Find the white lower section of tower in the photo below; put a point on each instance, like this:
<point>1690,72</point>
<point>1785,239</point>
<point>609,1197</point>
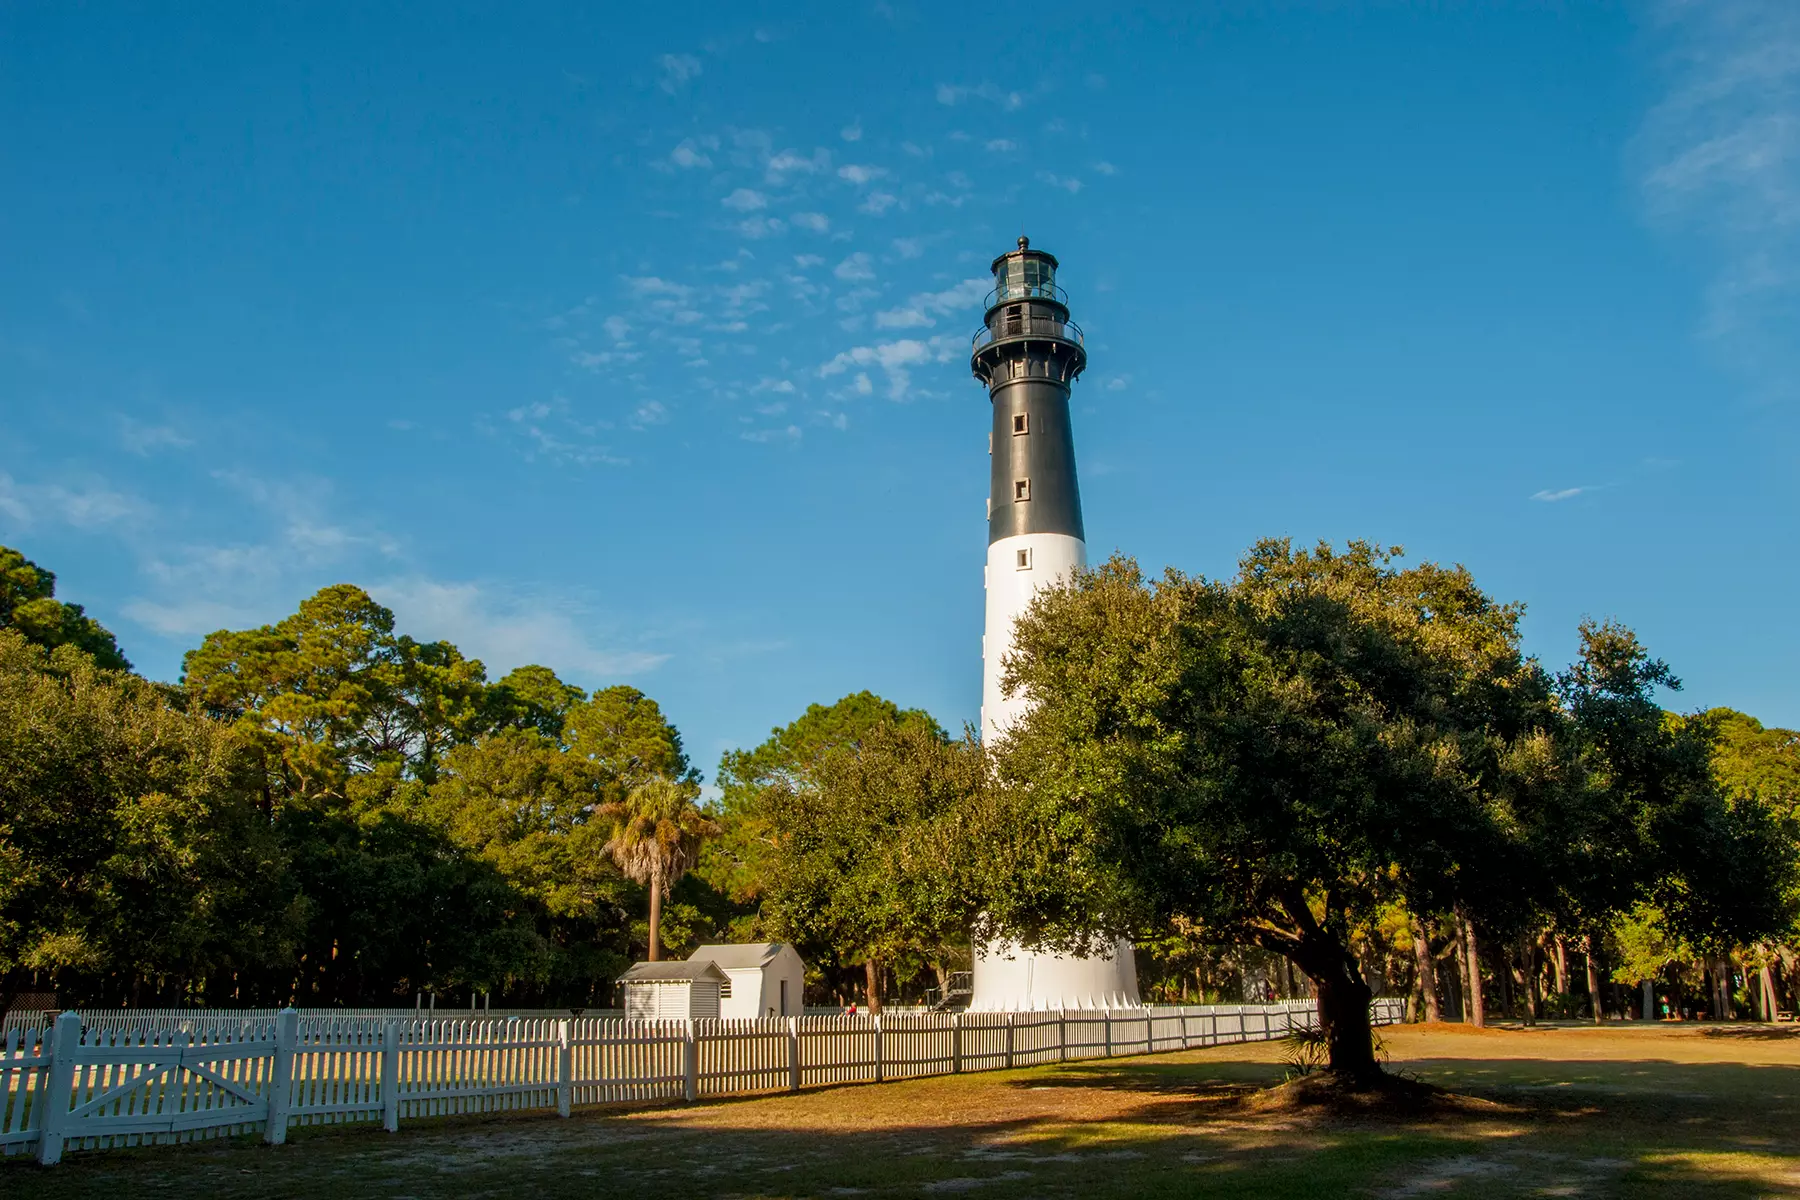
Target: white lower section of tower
<point>1010,977</point>
<point>1048,557</point>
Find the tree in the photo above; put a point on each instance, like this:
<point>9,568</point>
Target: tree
<point>28,604</point>
<point>532,697</point>
<point>861,850</point>
<point>625,735</point>
<point>1270,759</point>
<point>332,692</point>
<point>657,832</point>
<point>789,758</point>
<point>130,844</point>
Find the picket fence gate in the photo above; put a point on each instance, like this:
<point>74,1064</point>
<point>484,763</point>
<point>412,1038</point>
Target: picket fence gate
<point>94,1080</point>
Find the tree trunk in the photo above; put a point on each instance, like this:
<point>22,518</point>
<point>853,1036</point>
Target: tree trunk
<point>1767,991</point>
<point>872,983</point>
<point>1726,1013</point>
<point>1477,1002</point>
<point>1593,977</point>
<point>1528,957</point>
<point>1427,972</point>
<point>655,914</point>
<point>1562,966</point>
<point>1460,946</point>
<point>1344,1019</point>
<point>1650,1013</point>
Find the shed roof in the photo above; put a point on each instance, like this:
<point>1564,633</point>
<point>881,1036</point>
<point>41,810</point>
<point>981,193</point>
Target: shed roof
<point>737,957</point>
<point>673,972</point>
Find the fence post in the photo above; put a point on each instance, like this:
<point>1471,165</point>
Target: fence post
<point>794,1053</point>
<point>565,1069</point>
<point>1009,1039</point>
<point>956,1043</point>
<point>690,1064</point>
<point>1062,1036</point>
<point>390,1076</point>
<point>59,1088</point>
<point>880,1051</point>
<point>1108,1015</point>
<point>281,1076</point>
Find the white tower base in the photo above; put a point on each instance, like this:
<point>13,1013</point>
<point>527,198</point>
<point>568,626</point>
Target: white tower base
<point>1010,978</point>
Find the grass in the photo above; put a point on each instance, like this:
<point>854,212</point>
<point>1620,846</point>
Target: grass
<point>1570,1111</point>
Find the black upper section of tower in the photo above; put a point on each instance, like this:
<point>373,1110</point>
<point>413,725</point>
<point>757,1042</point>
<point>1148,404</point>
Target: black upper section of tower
<point>1028,352</point>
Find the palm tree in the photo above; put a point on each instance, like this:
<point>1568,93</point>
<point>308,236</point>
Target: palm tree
<point>656,836</point>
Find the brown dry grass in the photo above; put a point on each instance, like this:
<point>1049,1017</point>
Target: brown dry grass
<point>1563,1110</point>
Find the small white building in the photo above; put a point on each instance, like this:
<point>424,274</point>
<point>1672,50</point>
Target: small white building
<point>764,979</point>
<point>672,991</point>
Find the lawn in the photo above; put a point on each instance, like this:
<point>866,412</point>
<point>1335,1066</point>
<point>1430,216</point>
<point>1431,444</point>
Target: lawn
<point>1568,1111</point>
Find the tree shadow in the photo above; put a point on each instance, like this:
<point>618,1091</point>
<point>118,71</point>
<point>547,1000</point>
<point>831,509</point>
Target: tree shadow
<point>1121,1127</point>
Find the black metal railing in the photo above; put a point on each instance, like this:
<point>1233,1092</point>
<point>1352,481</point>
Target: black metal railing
<point>1007,328</point>
<point>1019,290</point>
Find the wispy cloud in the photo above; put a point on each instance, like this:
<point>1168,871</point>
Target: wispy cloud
<point>952,94</point>
<point>896,359</point>
<point>1720,159</point>
<point>816,222</point>
<point>924,308</point>
<point>81,506</point>
<point>860,173</point>
<point>507,628</point>
<point>1551,496</point>
<point>855,268</point>
<point>677,69</point>
<point>745,200</point>
<point>689,154</point>
<point>142,439</point>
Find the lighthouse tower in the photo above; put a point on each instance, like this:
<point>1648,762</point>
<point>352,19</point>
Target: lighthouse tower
<point>1028,353</point>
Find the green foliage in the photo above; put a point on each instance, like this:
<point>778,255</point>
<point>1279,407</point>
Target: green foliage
<point>28,604</point>
<point>655,836</point>
<point>332,691</point>
<point>129,837</point>
<point>862,845</point>
<point>736,861</point>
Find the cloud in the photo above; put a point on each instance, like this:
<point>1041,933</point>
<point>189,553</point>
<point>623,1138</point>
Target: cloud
<point>688,155</point>
<point>790,162</point>
<point>1105,168</point>
<point>551,431</point>
<point>851,132</point>
<point>804,261</point>
<point>81,507</point>
<point>909,247</point>
<point>790,433</point>
<point>1719,159</point>
<point>677,69</point>
<point>745,200</point>
<point>817,222</point>
<point>649,413</point>
<point>1002,145</point>
<point>860,174</point>
<point>896,359</point>
<point>876,203</point>
<point>924,308</point>
<point>756,228</point>
<point>1549,496</point>
<point>507,628</point>
<point>854,268</point>
<point>617,328</point>
<point>952,94</point>
<point>1070,186</point>
<point>141,439</point>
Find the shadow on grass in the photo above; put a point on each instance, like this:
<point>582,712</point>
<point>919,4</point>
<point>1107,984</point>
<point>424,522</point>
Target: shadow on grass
<point>1158,1127</point>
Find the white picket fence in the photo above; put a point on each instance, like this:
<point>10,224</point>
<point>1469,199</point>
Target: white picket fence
<point>96,1080</point>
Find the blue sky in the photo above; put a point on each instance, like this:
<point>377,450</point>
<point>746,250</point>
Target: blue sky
<point>633,339</point>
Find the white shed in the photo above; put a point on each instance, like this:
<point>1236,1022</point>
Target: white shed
<point>672,991</point>
<point>764,979</point>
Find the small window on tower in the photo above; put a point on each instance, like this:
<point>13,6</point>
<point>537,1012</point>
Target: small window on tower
<point>1021,424</point>
<point>1024,559</point>
<point>1021,489</point>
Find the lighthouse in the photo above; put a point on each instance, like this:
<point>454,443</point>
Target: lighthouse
<point>1029,354</point>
